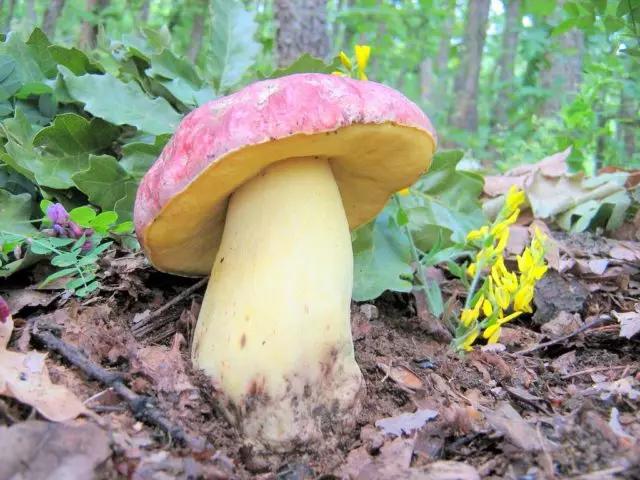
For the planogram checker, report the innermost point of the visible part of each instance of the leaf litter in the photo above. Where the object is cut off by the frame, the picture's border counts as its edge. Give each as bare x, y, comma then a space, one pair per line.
558, 398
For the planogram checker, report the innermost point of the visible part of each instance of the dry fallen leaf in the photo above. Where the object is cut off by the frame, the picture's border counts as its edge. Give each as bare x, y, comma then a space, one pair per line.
506, 420
629, 323
37, 450
402, 375
406, 422
25, 377
18, 299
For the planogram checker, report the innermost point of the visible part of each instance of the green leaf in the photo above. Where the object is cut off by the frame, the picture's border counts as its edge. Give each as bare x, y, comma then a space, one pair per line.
56, 275
169, 66
572, 9
83, 216
159, 39
103, 221
564, 26
15, 213
108, 185
124, 227
121, 103
624, 7
33, 89
234, 49
612, 24
381, 259
9, 78
27, 67
586, 21
304, 64
138, 157
600, 5
65, 259
74, 59
90, 288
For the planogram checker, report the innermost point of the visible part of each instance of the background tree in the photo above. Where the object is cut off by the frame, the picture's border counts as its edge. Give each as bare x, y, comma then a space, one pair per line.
301, 27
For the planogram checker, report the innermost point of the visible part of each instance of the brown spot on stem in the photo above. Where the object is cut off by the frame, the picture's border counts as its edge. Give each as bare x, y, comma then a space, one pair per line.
243, 340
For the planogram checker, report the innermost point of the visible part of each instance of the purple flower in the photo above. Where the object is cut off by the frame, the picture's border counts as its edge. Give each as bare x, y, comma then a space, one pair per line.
87, 245
76, 231
5, 311
57, 214
59, 230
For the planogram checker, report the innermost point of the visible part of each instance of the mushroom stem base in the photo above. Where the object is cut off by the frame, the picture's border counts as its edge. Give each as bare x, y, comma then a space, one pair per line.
274, 331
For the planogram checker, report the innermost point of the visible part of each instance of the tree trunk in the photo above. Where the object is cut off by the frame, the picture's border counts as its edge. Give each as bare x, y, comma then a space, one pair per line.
301, 27
564, 71
143, 15
465, 115
89, 32
627, 131
51, 15
6, 23
442, 60
197, 31
510, 38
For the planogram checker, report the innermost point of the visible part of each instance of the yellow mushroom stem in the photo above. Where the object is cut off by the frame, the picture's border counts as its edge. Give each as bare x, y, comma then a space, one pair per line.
274, 330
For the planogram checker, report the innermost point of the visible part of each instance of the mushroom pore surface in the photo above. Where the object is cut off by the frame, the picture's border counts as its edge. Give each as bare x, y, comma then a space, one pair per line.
274, 330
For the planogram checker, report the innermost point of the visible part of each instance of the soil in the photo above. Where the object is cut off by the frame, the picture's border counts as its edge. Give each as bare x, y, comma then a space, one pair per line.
566, 411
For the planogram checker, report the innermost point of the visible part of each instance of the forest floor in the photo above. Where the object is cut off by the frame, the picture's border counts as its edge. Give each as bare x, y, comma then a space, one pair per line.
559, 400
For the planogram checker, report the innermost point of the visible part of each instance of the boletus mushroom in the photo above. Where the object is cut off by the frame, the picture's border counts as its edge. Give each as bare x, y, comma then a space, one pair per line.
260, 189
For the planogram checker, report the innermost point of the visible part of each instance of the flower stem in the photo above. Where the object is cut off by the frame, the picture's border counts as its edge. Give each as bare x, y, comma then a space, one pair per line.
474, 284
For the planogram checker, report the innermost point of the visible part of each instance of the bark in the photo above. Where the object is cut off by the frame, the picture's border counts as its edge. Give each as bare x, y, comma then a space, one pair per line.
445, 40
197, 31
143, 15
465, 115
6, 23
301, 27
564, 69
51, 15
89, 32
510, 38
627, 130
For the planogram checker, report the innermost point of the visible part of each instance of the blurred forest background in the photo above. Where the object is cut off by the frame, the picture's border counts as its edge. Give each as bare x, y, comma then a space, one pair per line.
509, 81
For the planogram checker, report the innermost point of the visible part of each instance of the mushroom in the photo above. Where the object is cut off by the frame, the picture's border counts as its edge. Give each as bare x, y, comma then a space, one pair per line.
260, 189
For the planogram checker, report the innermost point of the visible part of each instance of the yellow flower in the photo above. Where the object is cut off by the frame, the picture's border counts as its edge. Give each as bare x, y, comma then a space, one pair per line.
477, 234
514, 199
492, 332
525, 261
522, 299
362, 59
346, 61
404, 192
338, 73
470, 315
487, 308
471, 269
468, 342
502, 240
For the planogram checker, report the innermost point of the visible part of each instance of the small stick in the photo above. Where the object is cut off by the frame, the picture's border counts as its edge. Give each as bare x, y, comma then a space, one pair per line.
594, 370
178, 298
595, 323
141, 406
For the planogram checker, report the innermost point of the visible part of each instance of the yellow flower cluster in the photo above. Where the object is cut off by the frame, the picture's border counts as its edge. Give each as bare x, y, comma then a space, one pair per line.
362, 53
502, 290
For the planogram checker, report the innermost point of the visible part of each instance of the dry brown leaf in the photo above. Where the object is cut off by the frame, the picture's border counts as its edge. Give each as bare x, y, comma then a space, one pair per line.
18, 299
402, 375
406, 423
629, 323
508, 421
37, 450
563, 323
25, 377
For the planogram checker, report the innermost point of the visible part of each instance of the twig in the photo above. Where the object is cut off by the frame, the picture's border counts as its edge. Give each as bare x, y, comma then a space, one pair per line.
602, 319
178, 298
595, 369
142, 406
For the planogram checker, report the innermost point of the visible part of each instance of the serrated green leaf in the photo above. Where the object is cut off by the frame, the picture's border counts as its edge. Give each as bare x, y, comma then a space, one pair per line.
138, 157
27, 66
234, 49
121, 103
108, 185
167, 65
304, 64
39, 45
381, 259
15, 213
74, 59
